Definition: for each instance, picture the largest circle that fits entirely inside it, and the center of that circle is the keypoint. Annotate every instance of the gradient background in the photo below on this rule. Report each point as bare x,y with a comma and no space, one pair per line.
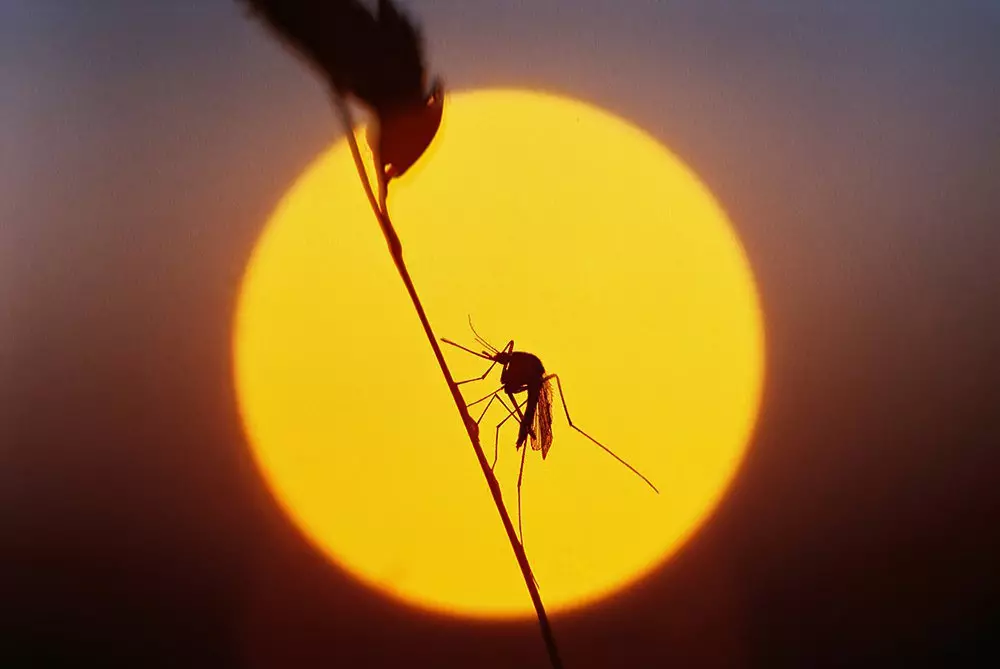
855,145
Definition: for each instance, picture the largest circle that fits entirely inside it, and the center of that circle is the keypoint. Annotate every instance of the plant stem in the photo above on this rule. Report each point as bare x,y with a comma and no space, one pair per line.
471,427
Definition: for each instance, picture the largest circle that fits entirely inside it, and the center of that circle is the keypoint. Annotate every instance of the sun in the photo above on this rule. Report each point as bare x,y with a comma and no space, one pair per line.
549,222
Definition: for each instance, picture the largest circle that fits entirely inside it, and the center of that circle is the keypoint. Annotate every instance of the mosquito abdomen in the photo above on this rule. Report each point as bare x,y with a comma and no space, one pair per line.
529,416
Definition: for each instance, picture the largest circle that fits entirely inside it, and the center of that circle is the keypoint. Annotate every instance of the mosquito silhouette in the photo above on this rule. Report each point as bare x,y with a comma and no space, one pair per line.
524,372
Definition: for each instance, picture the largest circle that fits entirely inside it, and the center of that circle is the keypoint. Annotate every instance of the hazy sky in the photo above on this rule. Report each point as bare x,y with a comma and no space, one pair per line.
856,147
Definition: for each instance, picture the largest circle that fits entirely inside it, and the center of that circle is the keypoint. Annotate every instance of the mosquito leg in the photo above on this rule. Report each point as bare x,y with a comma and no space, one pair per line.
479,378
484,398
494,396
520,475
517,407
562,397
510,414
520,416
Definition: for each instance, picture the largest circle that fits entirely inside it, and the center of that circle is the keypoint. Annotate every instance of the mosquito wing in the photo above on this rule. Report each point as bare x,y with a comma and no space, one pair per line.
541,440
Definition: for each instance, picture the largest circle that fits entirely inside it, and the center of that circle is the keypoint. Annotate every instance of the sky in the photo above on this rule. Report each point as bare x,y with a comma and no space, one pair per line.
855,147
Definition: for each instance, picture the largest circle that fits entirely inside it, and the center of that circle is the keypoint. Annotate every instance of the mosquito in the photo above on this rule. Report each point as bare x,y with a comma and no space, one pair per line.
524,372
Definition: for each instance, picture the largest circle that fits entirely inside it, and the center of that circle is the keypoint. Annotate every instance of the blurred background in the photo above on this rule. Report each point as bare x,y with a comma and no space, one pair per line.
854,144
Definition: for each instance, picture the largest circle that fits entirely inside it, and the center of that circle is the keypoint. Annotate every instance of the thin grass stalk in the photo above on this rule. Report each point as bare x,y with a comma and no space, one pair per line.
396,250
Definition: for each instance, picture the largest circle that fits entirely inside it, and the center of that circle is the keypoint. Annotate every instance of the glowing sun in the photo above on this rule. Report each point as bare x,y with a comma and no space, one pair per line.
552,223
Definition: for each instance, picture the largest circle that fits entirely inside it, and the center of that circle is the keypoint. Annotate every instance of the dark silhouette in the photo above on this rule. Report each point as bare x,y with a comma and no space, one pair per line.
378,61
374,59
524,372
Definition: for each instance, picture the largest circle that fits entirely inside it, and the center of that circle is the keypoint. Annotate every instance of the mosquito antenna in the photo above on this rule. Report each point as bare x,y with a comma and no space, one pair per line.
467,350
480,339
606,449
